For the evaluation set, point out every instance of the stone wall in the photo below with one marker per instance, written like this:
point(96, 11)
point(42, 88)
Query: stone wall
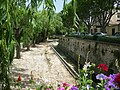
point(100, 52)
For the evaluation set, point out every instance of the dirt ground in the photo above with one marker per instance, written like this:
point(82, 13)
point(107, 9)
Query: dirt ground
point(41, 63)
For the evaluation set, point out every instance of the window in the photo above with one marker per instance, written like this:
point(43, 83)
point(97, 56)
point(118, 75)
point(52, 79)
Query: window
point(113, 31)
point(118, 15)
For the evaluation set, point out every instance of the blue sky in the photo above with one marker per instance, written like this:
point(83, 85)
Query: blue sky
point(59, 5)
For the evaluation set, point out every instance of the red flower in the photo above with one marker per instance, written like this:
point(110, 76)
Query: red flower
point(65, 84)
point(103, 67)
point(19, 78)
point(117, 80)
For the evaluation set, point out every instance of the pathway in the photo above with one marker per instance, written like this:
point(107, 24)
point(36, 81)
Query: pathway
point(41, 63)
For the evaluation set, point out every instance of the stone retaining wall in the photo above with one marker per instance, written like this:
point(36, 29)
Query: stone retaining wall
point(100, 52)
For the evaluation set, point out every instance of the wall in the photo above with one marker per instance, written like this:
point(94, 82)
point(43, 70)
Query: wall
point(100, 52)
point(114, 19)
point(109, 29)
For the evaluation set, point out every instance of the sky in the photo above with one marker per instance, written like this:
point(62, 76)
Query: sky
point(59, 5)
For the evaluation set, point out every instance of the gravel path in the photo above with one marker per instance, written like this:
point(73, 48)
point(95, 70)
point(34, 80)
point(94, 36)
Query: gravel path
point(41, 63)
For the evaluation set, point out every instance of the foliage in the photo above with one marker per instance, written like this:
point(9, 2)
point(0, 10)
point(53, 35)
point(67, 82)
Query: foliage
point(85, 77)
point(109, 39)
point(85, 12)
point(7, 42)
point(43, 84)
point(19, 19)
point(57, 24)
point(96, 12)
point(68, 15)
point(15, 18)
point(84, 81)
point(104, 11)
point(98, 38)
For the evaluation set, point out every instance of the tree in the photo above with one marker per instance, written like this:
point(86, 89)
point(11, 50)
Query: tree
point(11, 28)
point(92, 11)
point(18, 27)
point(104, 11)
point(85, 12)
point(68, 15)
point(56, 25)
point(7, 42)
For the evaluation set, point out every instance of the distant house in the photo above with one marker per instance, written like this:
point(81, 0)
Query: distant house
point(114, 25)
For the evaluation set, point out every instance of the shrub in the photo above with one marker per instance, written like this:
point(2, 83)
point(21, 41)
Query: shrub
point(109, 39)
point(99, 38)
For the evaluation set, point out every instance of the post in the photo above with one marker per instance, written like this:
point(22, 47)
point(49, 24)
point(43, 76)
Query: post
point(79, 64)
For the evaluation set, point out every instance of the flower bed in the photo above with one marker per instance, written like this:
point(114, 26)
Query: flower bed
point(85, 81)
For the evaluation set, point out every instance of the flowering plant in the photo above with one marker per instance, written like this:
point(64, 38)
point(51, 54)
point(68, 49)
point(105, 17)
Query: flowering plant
point(110, 82)
point(84, 81)
point(103, 67)
point(41, 84)
point(18, 82)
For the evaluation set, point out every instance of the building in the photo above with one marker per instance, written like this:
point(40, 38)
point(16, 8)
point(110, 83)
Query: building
point(114, 25)
point(112, 28)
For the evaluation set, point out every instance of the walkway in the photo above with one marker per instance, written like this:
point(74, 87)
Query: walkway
point(41, 63)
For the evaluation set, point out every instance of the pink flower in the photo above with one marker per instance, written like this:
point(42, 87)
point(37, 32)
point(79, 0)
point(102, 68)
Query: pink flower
point(48, 89)
point(61, 88)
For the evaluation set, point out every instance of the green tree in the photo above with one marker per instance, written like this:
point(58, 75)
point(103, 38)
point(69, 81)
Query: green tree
point(13, 23)
point(68, 15)
point(57, 25)
point(18, 27)
point(85, 12)
point(104, 11)
point(6, 41)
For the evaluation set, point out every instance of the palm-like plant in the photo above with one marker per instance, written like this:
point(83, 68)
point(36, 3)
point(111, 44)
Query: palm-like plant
point(16, 18)
point(6, 42)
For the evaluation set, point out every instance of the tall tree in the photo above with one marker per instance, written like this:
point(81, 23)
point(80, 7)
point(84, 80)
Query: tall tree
point(85, 12)
point(57, 23)
point(104, 10)
point(6, 41)
point(68, 15)
point(10, 25)
point(18, 27)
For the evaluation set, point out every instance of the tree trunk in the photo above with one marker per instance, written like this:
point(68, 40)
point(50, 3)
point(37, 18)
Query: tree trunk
point(18, 47)
point(89, 28)
point(18, 50)
point(33, 42)
point(45, 37)
point(103, 29)
point(38, 39)
point(18, 34)
point(28, 47)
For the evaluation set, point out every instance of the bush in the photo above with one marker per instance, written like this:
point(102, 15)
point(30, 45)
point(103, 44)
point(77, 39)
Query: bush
point(99, 38)
point(109, 39)
point(88, 37)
